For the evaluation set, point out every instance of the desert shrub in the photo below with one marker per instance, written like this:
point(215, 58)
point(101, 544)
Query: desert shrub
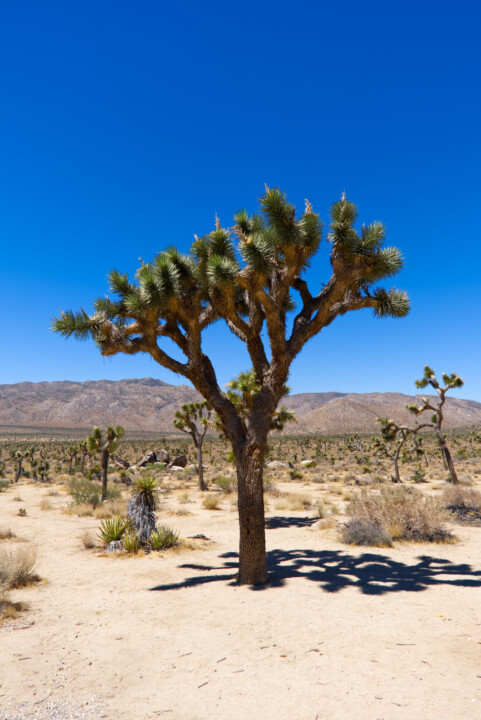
point(211, 502)
point(4, 484)
point(295, 475)
point(45, 504)
point(404, 513)
point(84, 490)
point(164, 537)
point(22, 512)
point(131, 542)
point(94, 471)
point(88, 539)
point(226, 484)
point(365, 532)
point(113, 529)
point(463, 502)
point(419, 475)
point(16, 567)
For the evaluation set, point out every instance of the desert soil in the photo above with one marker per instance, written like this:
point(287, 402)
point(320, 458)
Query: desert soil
point(341, 632)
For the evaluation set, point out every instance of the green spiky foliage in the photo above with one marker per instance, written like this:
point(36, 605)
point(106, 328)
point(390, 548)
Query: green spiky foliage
point(429, 404)
point(113, 529)
point(194, 419)
point(242, 391)
point(144, 489)
point(249, 276)
point(104, 444)
point(163, 538)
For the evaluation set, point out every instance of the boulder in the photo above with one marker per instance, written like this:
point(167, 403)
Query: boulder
point(179, 461)
point(176, 468)
point(148, 459)
point(163, 456)
point(121, 462)
point(276, 464)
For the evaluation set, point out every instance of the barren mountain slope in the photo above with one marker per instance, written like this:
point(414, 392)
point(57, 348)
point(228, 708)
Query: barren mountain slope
point(150, 404)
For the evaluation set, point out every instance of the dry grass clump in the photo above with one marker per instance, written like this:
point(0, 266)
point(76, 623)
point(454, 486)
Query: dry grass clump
point(45, 504)
point(294, 501)
point(403, 513)
point(110, 509)
point(16, 567)
point(464, 503)
point(365, 532)
point(211, 502)
point(88, 539)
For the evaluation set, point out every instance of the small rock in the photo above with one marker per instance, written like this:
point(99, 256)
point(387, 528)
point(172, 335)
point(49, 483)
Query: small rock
point(114, 547)
point(276, 464)
point(163, 456)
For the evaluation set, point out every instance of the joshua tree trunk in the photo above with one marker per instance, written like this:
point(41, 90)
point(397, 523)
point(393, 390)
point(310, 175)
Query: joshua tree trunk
point(104, 464)
point(202, 485)
point(397, 477)
point(448, 460)
point(252, 542)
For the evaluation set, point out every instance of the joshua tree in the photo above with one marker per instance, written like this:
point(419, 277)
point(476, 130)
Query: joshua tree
point(244, 276)
point(104, 445)
point(18, 457)
point(72, 454)
point(391, 432)
point(186, 420)
point(84, 451)
point(437, 417)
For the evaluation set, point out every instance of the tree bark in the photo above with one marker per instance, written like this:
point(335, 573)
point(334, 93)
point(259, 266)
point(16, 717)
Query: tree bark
point(104, 464)
point(202, 485)
point(397, 477)
point(448, 460)
point(252, 540)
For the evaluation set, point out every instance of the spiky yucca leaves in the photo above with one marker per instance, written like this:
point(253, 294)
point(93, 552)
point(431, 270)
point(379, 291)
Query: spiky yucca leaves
point(144, 489)
point(241, 392)
point(163, 538)
point(113, 529)
point(246, 275)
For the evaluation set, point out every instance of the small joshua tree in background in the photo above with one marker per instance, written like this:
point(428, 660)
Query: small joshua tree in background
point(97, 443)
point(186, 420)
point(391, 432)
point(72, 455)
point(450, 382)
point(84, 451)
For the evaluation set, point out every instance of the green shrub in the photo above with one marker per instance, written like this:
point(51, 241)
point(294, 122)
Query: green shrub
point(163, 538)
point(226, 484)
point(419, 475)
point(4, 484)
point(83, 491)
point(94, 471)
point(22, 512)
point(404, 513)
point(113, 529)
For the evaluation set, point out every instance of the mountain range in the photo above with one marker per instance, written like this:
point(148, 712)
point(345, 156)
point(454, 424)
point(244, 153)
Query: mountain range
point(148, 404)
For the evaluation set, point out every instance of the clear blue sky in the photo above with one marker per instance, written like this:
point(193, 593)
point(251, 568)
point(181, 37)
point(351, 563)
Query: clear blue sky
point(125, 126)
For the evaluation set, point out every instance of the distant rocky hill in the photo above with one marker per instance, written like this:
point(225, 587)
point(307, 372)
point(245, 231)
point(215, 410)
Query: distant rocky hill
point(150, 404)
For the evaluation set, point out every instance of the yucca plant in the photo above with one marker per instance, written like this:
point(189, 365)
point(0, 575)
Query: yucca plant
point(131, 542)
point(142, 506)
point(163, 538)
point(113, 529)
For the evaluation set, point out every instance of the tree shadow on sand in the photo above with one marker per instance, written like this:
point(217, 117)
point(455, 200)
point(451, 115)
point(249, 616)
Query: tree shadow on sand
point(371, 573)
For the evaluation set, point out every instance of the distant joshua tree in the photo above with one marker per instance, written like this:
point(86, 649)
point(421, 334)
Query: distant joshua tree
point(186, 420)
point(245, 276)
point(105, 445)
point(450, 382)
point(392, 432)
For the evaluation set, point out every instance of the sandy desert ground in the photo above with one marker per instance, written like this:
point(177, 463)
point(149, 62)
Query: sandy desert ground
point(376, 634)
